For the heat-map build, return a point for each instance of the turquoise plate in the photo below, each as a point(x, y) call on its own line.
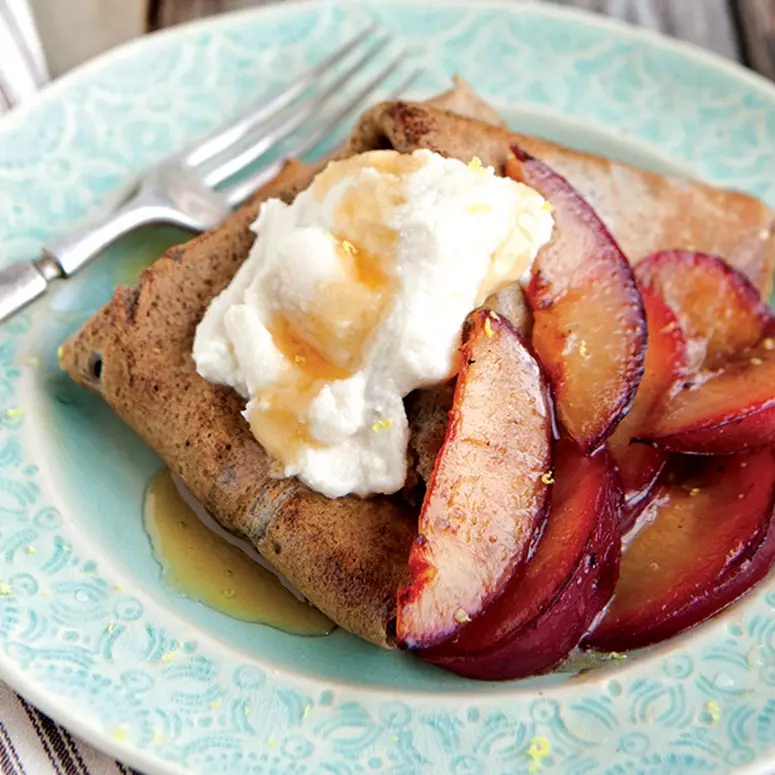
point(86, 629)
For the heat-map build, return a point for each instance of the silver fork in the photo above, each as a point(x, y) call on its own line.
point(194, 188)
point(23, 67)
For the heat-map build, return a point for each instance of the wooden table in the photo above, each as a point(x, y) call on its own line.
point(743, 30)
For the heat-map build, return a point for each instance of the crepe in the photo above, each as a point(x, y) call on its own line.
point(349, 555)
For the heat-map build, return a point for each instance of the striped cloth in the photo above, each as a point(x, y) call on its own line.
point(32, 744)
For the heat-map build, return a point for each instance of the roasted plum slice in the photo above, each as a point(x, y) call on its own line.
point(589, 328)
point(719, 308)
point(486, 502)
point(697, 550)
point(546, 608)
point(723, 411)
point(666, 360)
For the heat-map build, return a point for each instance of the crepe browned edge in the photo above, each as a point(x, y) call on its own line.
point(347, 555)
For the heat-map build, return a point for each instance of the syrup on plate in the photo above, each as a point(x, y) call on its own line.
point(204, 566)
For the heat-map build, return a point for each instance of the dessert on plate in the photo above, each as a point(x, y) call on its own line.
point(472, 393)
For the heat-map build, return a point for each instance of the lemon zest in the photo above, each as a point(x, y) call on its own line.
point(348, 247)
point(15, 412)
point(548, 477)
point(488, 328)
point(382, 425)
point(481, 207)
point(539, 749)
point(461, 617)
point(714, 711)
point(120, 732)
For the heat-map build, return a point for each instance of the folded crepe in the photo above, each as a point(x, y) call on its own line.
point(349, 555)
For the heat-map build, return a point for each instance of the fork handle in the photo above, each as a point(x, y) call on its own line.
point(24, 281)
point(79, 247)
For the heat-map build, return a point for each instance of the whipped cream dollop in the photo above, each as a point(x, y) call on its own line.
point(353, 296)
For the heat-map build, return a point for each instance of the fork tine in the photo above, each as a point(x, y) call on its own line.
point(308, 142)
point(233, 132)
point(235, 164)
point(21, 26)
point(238, 193)
point(5, 100)
point(410, 79)
point(243, 190)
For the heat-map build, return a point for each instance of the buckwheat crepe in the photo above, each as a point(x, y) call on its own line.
point(349, 555)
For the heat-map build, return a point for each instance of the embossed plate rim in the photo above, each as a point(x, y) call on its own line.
point(386, 713)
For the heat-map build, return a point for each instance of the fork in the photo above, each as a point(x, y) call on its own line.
point(23, 67)
point(196, 188)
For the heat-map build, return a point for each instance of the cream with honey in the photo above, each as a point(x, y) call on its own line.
point(353, 296)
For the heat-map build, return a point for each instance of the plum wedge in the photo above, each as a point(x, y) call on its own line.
point(719, 309)
point(705, 527)
point(486, 502)
point(725, 411)
point(589, 329)
point(666, 360)
point(547, 608)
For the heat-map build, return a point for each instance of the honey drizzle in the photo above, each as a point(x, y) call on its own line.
point(198, 563)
